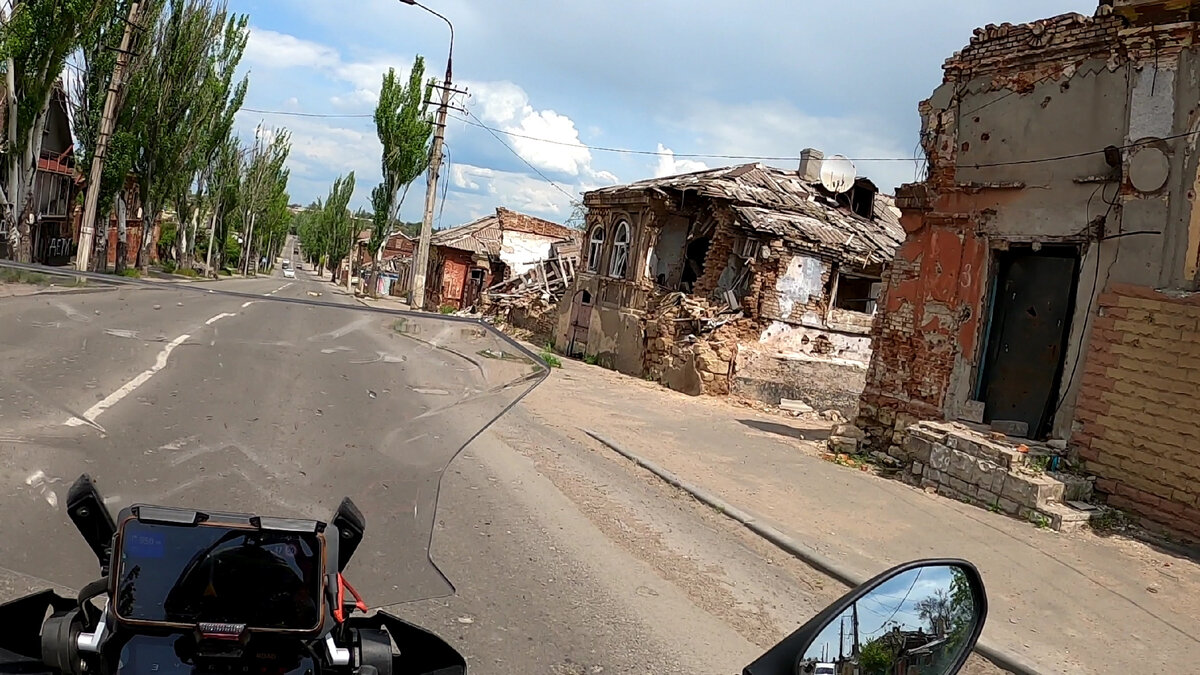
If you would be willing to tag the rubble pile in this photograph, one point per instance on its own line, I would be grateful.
(527, 302)
(685, 330)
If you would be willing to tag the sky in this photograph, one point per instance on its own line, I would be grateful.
(665, 78)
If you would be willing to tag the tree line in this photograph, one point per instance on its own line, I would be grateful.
(404, 124)
(172, 131)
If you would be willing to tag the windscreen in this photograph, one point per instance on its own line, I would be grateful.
(265, 396)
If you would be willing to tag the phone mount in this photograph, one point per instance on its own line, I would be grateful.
(86, 509)
(351, 526)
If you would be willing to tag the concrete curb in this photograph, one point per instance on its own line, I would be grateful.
(1001, 658)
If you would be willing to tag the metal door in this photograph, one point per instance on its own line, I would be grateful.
(1031, 317)
(454, 275)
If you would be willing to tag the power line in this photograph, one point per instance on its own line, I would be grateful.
(295, 114)
(531, 166)
(697, 155)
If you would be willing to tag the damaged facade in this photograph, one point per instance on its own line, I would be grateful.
(747, 278)
(1050, 255)
(467, 259)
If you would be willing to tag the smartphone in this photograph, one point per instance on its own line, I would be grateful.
(219, 575)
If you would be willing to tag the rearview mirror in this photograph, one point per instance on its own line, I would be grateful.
(921, 618)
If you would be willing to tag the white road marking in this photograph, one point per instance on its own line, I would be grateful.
(217, 318)
(90, 415)
(247, 303)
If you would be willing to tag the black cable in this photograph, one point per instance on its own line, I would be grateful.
(528, 164)
(1092, 294)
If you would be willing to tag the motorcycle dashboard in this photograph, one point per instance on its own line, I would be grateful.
(222, 573)
(169, 655)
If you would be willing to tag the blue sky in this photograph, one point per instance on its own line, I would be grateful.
(755, 77)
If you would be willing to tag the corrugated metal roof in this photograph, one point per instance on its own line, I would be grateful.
(480, 236)
(776, 201)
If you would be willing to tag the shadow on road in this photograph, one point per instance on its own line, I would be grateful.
(803, 434)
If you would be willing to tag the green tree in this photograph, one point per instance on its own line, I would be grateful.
(193, 39)
(404, 125)
(221, 198)
(876, 657)
(36, 36)
(264, 186)
(337, 223)
(93, 77)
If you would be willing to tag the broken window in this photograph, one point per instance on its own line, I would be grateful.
(595, 247)
(697, 251)
(857, 292)
(620, 251)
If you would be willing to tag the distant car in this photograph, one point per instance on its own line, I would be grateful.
(289, 273)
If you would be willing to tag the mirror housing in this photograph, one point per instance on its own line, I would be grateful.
(953, 602)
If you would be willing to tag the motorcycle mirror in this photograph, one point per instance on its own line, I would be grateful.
(85, 508)
(924, 616)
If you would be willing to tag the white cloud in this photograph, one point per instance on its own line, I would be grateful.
(269, 49)
(507, 106)
(514, 190)
(463, 176)
(668, 165)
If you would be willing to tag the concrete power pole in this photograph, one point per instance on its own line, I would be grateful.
(435, 164)
(108, 120)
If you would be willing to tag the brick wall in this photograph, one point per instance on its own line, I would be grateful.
(519, 222)
(1035, 48)
(1140, 406)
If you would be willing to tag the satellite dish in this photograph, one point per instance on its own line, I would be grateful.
(838, 174)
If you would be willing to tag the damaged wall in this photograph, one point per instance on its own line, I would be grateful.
(1139, 406)
(1015, 141)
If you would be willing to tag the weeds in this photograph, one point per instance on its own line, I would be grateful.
(1110, 520)
(551, 359)
(591, 359)
(994, 507)
(447, 309)
(1041, 463)
(168, 266)
(22, 277)
(131, 272)
(1040, 521)
(188, 272)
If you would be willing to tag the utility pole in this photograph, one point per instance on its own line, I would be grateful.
(854, 608)
(108, 120)
(421, 264)
(841, 638)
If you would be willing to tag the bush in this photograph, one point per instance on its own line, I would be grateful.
(447, 309)
(168, 266)
(551, 359)
(188, 272)
(131, 272)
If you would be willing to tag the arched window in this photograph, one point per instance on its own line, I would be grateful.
(620, 251)
(595, 248)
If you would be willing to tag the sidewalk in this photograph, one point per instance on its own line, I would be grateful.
(1067, 603)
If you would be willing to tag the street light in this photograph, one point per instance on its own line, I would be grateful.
(421, 265)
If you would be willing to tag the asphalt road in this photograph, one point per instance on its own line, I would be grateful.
(564, 560)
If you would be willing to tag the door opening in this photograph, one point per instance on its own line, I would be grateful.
(1033, 300)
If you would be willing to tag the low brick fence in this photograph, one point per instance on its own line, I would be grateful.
(1140, 406)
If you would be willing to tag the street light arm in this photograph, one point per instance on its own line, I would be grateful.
(450, 56)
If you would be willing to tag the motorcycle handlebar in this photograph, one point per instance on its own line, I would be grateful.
(61, 645)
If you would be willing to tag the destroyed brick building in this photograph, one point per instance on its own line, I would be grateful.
(748, 278)
(1051, 257)
(467, 259)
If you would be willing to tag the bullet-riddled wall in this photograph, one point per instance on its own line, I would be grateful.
(1018, 171)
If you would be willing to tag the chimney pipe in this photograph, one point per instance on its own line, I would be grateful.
(810, 165)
